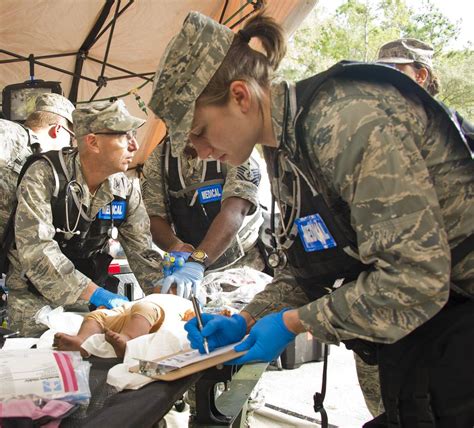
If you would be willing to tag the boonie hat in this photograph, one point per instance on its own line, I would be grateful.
(103, 116)
(55, 103)
(190, 60)
(406, 51)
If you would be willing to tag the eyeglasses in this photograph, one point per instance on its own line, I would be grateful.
(131, 135)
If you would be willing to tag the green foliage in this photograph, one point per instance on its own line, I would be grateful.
(359, 27)
(456, 73)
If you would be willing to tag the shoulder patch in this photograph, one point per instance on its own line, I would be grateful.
(249, 171)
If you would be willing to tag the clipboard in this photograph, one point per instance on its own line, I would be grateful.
(206, 362)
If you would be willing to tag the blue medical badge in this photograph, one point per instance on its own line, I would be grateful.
(314, 233)
(210, 193)
(119, 209)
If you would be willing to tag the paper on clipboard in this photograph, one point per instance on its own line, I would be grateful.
(187, 362)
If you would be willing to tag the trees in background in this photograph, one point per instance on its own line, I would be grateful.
(358, 28)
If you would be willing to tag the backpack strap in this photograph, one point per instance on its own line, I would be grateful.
(462, 250)
(8, 237)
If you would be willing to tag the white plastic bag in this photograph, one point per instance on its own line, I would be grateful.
(44, 374)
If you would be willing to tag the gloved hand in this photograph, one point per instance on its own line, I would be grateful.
(218, 329)
(187, 279)
(102, 297)
(267, 339)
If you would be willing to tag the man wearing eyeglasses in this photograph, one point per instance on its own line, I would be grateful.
(63, 225)
(49, 127)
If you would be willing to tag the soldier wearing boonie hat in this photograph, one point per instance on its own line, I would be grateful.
(406, 51)
(103, 116)
(414, 58)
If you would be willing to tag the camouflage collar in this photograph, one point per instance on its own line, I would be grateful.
(114, 185)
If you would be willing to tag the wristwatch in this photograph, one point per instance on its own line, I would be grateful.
(199, 256)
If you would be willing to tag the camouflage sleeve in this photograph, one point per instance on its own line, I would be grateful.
(283, 292)
(242, 182)
(366, 140)
(152, 185)
(135, 237)
(41, 259)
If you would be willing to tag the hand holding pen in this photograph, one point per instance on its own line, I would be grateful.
(197, 311)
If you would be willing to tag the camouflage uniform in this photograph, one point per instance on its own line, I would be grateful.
(16, 145)
(407, 181)
(409, 187)
(240, 182)
(37, 255)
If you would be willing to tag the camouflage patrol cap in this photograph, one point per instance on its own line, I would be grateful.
(190, 60)
(406, 51)
(55, 103)
(103, 116)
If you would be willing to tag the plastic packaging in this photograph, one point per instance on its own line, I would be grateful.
(41, 374)
(232, 289)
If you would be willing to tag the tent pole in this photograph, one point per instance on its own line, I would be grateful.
(130, 2)
(84, 49)
(52, 67)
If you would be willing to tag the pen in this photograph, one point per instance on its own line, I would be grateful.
(6, 336)
(197, 311)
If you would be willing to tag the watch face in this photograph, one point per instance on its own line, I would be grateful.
(199, 255)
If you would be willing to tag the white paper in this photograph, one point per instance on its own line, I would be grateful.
(19, 343)
(193, 356)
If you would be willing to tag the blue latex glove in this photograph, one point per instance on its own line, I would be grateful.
(267, 339)
(187, 280)
(218, 329)
(102, 297)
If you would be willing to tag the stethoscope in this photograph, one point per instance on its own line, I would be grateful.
(76, 191)
(74, 188)
(283, 239)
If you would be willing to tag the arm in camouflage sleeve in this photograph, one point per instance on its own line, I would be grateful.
(134, 235)
(53, 274)
(283, 292)
(154, 199)
(369, 149)
(239, 199)
(242, 182)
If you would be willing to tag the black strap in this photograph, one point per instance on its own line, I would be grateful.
(462, 250)
(319, 396)
(7, 241)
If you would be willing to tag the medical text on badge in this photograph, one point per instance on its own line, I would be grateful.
(210, 193)
(118, 211)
